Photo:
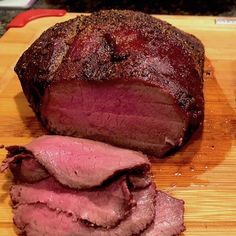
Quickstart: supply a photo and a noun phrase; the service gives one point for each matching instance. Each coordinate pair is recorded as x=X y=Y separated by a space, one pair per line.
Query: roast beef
x=36 y=219
x=23 y=165
x=169 y=216
x=122 y=77
x=104 y=207
x=80 y=163
x=139 y=181
x=48 y=200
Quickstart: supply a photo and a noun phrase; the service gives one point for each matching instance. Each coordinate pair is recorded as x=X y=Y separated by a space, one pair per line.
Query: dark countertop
x=181 y=7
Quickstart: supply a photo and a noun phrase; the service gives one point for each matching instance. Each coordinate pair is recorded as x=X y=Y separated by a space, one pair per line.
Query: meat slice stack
x=120 y=77
x=69 y=186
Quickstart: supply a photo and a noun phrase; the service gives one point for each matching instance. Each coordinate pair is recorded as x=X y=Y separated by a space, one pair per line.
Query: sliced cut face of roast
x=105 y=206
x=128 y=114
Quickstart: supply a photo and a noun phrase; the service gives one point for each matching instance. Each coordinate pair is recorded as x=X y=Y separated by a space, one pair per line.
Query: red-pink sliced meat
x=38 y=219
x=81 y=163
x=23 y=165
x=105 y=206
x=169 y=219
x=29 y=170
x=140 y=181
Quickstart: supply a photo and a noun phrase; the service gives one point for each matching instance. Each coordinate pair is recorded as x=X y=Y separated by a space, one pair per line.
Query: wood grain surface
x=203 y=173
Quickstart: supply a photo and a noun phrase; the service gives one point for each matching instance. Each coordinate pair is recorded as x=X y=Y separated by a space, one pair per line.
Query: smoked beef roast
x=121 y=77
x=123 y=201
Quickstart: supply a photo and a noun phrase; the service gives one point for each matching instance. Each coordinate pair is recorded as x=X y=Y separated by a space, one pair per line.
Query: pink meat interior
x=125 y=114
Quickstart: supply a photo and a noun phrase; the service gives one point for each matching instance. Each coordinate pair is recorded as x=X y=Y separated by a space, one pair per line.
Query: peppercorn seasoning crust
x=123 y=48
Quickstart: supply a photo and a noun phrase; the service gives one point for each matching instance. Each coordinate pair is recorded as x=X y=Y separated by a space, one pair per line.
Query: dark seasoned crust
x=37 y=65
x=55 y=57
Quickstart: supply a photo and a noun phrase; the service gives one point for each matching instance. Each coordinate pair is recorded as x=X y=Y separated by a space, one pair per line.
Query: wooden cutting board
x=203 y=173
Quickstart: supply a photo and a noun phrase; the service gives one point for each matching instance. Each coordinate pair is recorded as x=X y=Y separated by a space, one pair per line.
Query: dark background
x=177 y=7
x=186 y=7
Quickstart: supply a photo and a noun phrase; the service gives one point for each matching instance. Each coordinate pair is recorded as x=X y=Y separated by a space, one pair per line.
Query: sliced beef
x=81 y=163
x=120 y=198
x=169 y=218
x=38 y=219
x=23 y=165
x=105 y=206
x=29 y=170
x=121 y=77
x=141 y=216
x=140 y=181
